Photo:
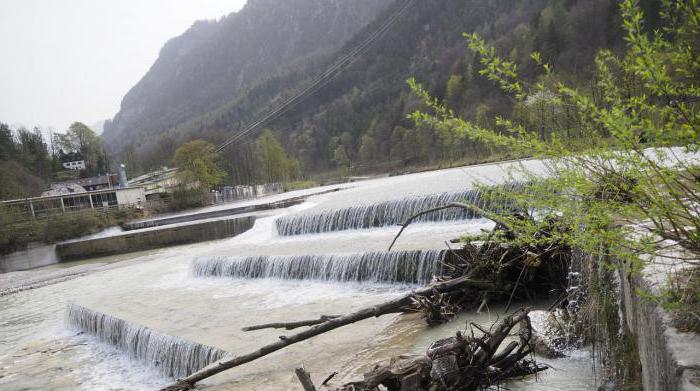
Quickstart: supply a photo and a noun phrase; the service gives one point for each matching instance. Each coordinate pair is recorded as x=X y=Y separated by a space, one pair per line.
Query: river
x=159 y=290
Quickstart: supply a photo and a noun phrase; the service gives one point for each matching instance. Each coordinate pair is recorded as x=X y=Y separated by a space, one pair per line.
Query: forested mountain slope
x=359 y=119
x=214 y=61
x=25 y=163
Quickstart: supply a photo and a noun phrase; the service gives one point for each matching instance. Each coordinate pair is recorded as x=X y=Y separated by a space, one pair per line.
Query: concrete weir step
x=134 y=225
x=171 y=355
x=183 y=218
x=155 y=238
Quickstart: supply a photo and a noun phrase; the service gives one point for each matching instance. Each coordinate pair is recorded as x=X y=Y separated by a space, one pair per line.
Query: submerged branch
x=473 y=208
x=305 y=379
x=399 y=304
x=291 y=325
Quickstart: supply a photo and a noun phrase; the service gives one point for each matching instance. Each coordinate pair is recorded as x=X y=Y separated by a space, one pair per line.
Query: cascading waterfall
x=386 y=213
x=409 y=267
x=173 y=356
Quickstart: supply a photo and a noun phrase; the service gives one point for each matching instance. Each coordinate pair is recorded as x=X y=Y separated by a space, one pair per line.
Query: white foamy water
x=111 y=231
x=387 y=213
x=171 y=355
x=156 y=290
x=395 y=267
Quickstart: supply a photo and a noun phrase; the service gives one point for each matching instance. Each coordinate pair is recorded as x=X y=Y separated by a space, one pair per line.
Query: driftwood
x=305 y=379
x=475 y=275
x=400 y=304
x=461 y=362
x=291 y=325
x=328 y=378
x=401 y=373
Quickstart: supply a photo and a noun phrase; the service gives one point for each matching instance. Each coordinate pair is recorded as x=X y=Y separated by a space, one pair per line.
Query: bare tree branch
x=491 y=216
x=399 y=304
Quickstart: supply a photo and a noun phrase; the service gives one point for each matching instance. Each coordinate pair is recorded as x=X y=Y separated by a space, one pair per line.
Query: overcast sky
x=74 y=60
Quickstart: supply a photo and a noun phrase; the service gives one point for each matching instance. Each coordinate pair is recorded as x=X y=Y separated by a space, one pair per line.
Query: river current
x=164 y=291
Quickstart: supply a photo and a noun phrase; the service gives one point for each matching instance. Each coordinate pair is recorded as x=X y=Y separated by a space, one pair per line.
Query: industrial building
x=107 y=199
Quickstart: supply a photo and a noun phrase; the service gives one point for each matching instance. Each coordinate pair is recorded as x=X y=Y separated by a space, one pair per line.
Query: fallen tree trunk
x=291 y=325
x=399 y=304
x=491 y=271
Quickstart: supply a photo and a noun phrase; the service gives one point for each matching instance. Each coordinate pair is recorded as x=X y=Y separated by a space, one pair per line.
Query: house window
x=104 y=199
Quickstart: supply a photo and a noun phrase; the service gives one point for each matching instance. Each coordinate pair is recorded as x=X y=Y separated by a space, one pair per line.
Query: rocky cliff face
x=214 y=61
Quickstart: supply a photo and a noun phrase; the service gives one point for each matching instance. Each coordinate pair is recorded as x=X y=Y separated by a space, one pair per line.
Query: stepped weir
x=386 y=213
x=407 y=267
x=172 y=356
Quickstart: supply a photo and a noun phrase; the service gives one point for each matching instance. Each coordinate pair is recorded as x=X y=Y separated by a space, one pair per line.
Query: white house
x=74 y=165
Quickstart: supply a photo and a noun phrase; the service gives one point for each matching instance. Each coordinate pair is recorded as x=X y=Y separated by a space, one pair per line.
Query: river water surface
x=159 y=290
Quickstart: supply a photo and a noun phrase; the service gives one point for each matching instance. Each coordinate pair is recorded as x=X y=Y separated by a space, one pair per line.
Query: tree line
x=28 y=161
x=200 y=166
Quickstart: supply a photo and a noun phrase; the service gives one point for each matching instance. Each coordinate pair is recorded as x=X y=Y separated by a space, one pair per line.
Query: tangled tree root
x=508 y=273
x=462 y=362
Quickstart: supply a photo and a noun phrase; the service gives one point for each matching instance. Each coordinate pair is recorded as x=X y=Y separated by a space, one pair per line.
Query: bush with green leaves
x=18 y=230
x=617 y=153
x=620 y=165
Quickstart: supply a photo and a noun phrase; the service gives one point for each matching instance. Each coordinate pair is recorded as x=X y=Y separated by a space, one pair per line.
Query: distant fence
x=17 y=214
x=21 y=213
x=99 y=200
x=237 y=193
x=190 y=200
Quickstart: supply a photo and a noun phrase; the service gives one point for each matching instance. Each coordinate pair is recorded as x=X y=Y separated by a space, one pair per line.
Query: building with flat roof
x=157 y=182
x=80 y=185
x=107 y=199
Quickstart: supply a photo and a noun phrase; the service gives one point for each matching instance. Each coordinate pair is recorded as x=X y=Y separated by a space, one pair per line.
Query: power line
x=322 y=80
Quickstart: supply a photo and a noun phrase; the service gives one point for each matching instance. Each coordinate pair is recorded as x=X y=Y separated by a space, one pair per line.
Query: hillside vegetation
x=28 y=162
x=211 y=82
x=215 y=62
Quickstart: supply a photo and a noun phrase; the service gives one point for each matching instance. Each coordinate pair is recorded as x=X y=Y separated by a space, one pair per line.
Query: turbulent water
x=417 y=266
x=271 y=279
x=386 y=213
x=173 y=356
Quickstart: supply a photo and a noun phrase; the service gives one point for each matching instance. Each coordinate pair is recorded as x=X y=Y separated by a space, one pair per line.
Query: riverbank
x=669 y=358
x=18 y=231
x=189 y=225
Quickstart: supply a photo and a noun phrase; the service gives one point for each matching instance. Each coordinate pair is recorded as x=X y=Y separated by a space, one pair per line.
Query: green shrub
x=682 y=299
x=300 y=185
x=17 y=230
x=66 y=226
x=188 y=198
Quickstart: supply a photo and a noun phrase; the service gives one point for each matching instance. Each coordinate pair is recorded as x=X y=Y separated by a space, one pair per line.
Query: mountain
x=358 y=120
x=214 y=61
